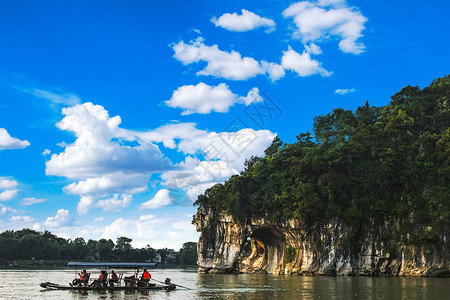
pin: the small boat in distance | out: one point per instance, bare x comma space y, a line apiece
131, 283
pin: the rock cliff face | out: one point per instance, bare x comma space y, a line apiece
292, 249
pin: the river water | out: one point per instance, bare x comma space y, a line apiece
17, 284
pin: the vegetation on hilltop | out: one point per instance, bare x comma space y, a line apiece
371, 166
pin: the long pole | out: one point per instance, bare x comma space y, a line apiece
172, 283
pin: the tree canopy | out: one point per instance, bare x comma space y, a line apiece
27, 244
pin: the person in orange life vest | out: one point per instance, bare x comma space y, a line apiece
114, 278
145, 278
102, 279
84, 277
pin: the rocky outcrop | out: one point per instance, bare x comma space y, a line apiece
290, 248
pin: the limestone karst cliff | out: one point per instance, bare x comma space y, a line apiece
292, 249
366, 193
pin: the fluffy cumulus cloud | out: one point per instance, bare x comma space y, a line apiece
109, 164
115, 182
203, 99
302, 64
115, 203
8, 189
313, 49
222, 155
328, 19
210, 157
161, 199
62, 218
243, 22
104, 159
9, 142
344, 91
97, 149
222, 64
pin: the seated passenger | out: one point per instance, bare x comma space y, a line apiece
114, 278
84, 277
145, 278
101, 281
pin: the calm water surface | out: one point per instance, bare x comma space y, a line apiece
16, 284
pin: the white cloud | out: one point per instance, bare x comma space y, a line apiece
62, 218
115, 203
244, 22
97, 151
302, 64
220, 154
7, 183
161, 199
5, 210
116, 182
9, 142
253, 96
318, 21
275, 71
104, 159
313, 49
221, 64
99, 219
149, 229
61, 98
8, 195
110, 164
46, 152
85, 204
344, 91
31, 200
8, 189
231, 65
224, 155
168, 134
22, 219
203, 99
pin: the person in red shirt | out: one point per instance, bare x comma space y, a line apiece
145, 278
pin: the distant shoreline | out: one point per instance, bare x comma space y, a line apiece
62, 264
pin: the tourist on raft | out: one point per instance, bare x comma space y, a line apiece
101, 281
114, 278
84, 278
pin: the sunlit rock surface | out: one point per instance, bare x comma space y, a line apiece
290, 248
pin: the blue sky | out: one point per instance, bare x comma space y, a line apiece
115, 115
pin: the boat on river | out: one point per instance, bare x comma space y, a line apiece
131, 283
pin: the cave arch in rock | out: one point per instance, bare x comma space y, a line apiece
265, 251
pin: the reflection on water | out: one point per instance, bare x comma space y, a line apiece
25, 285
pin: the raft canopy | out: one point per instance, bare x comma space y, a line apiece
112, 264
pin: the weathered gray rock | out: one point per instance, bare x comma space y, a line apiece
293, 249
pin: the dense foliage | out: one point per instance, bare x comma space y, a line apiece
28, 244
372, 165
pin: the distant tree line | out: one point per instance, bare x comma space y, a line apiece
30, 244
365, 168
